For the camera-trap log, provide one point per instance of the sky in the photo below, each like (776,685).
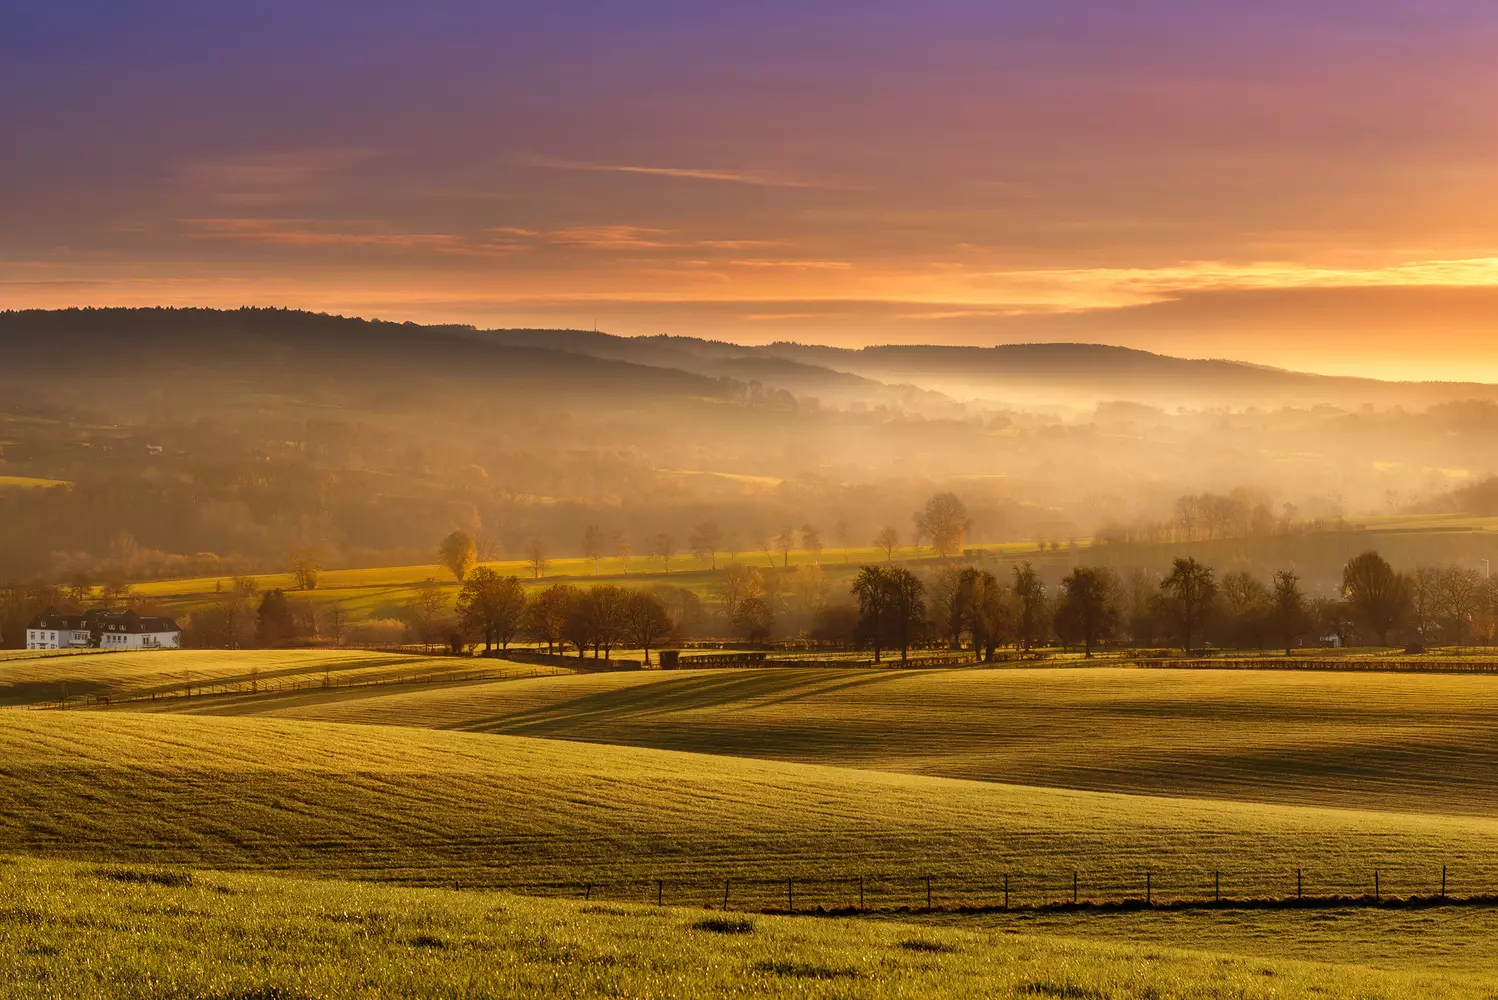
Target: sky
(1309,184)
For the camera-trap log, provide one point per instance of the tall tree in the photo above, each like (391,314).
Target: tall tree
(1029,594)
(605,606)
(491,606)
(1290,615)
(646,623)
(593,545)
(1188,593)
(1379,596)
(843,535)
(888,540)
(426,604)
(907,609)
(457,554)
(1247,604)
(1462,595)
(737,585)
(1088,609)
(983,611)
(755,620)
(623,550)
(1425,602)
(546,614)
(275,626)
(943,521)
(871,587)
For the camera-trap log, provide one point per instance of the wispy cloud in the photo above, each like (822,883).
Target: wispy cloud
(264,177)
(310,233)
(751,177)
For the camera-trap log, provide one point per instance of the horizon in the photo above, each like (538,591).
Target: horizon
(1300,187)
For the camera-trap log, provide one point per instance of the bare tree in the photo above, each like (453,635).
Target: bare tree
(646,623)
(663,547)
(1188,594)
(623,550)
(1290,615)
(593,545)
(737,585)
(1029,594)
(305,564)
(888,540)
(1461,597)
(843,535)
(546,615)
(873,593)
(943,520)
(535,557)
(784,542)
(426,604)
(491,607)
(335,620)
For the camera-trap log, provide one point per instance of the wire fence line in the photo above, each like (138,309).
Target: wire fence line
(272,685)
(1026,891)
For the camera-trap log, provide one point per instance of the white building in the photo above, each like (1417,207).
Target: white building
(101,629)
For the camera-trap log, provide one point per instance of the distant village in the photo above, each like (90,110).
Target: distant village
(101,628)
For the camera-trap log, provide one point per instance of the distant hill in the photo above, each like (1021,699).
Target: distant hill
(1094,372)
(286,351)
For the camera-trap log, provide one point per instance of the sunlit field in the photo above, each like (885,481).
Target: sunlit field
(88,932)
(551,816)
(91,677)
(1411,742)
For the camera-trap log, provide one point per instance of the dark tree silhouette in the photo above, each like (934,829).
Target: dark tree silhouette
(492,607)
(1378,595)
(1089,606)
(1289,603)
(1188,594)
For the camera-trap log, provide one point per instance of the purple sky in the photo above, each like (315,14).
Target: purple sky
(841,172)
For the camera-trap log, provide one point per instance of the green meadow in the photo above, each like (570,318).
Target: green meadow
(87,932)
(409,829)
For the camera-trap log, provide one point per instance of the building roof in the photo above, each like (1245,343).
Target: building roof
(103,620)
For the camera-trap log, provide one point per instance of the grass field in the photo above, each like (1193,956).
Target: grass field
(86,933)
(28,483)
(30,677)
(1403,742)
(421,806)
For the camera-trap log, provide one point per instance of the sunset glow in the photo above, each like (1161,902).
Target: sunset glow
(1310,185)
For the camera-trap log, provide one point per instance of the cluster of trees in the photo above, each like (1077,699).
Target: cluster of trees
(1205,517)
(494,610)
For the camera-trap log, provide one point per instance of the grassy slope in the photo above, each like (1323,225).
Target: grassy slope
(30,676)
(1377,741)
(423,806)
(71,932)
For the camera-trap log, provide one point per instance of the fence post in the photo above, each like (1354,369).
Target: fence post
(1073,887)
(790,895)
(725,894)
(1148,890)
(660,891)
(928,893)
(1376,894)
(1443,881)
(1297,883)
(1217,887)
(1006,890)
(587,891)
(860,892)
